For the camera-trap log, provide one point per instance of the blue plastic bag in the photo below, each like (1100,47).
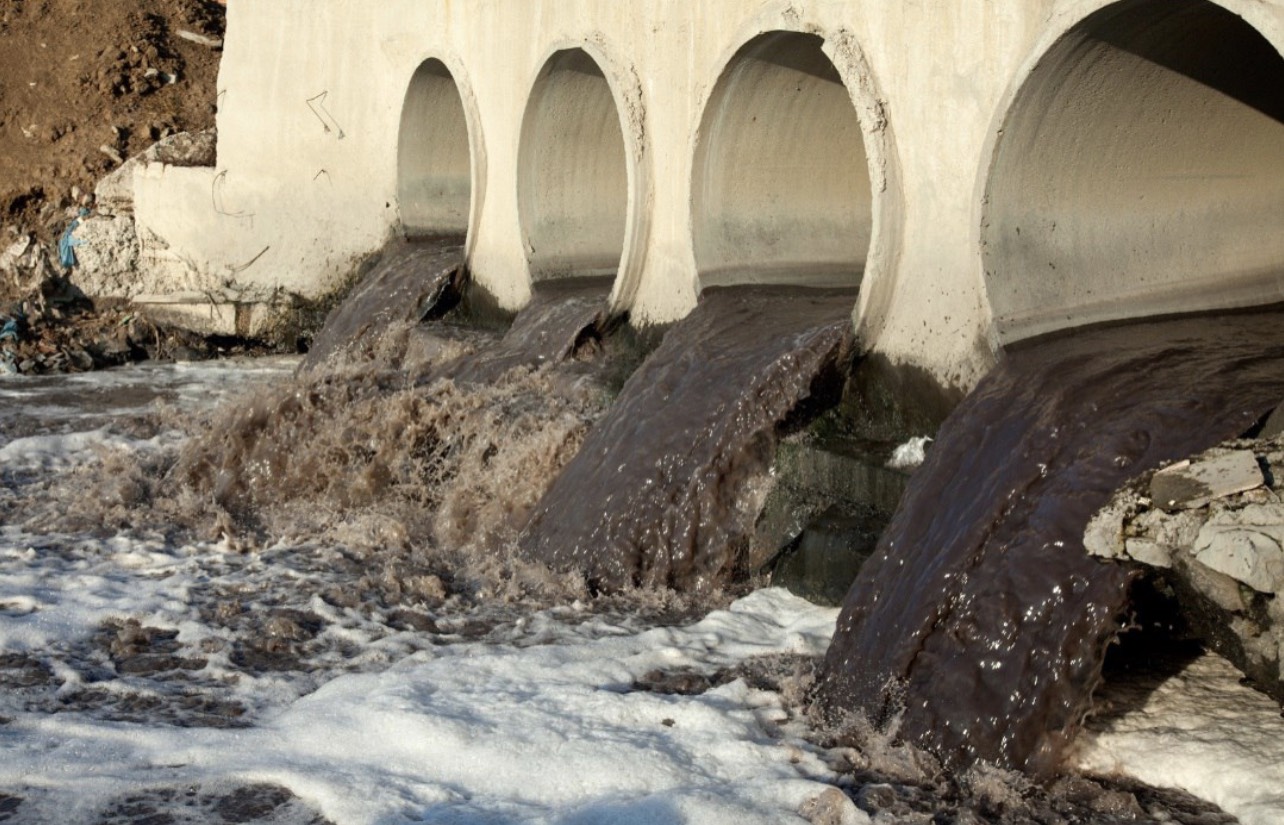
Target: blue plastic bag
(67,243)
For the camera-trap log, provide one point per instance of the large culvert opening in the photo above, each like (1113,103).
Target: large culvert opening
(434,157)
(781,191)
(1140,172)
(572,183)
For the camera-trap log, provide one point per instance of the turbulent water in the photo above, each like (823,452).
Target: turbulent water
(564,319)
(662,493)
(980,625)
(317,602)
(410,282)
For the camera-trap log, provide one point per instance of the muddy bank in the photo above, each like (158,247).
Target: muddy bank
(979,626)
(89,83)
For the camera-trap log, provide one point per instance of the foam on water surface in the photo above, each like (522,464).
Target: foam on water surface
(312,678)
(1201,730)
(542,727)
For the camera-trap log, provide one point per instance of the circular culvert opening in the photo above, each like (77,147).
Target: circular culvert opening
(434,159)
(1140,172)
(573,186)
(781,191)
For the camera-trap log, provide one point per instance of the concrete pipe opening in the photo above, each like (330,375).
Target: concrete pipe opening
(572,182)
(434,160)
(1140,172)
(781,190)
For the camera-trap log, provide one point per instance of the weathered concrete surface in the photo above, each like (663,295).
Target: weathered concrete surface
(1187,485)
(1218,555)
(993,170)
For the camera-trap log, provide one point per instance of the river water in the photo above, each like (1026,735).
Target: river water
(240,591)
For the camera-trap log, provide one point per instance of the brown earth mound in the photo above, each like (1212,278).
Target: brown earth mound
(84,83)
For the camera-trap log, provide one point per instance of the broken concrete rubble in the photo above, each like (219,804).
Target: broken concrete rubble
(119,261)
(1210,532)
(1246,545)
(114,194)
(1187,485)
(107,257)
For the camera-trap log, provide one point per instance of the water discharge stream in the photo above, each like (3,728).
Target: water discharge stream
(563,316)
(662,493)
(411,281)
(980,624)
(335,566)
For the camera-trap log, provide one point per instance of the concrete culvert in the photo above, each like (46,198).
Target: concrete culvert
(1140,172)
(434,159)
(572,181)
(781,190)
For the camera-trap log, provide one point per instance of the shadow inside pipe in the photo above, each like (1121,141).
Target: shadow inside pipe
(1202,41)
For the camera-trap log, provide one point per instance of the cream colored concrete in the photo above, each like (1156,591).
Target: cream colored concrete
(780,190)
(314,170)
(434,155)
(1141,166)
(573,171)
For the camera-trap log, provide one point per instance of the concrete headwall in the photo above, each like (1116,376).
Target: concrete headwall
(984,171)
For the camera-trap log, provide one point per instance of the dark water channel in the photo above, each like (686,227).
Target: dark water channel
(980,624)
(564,318)
(663,491)
(410,282)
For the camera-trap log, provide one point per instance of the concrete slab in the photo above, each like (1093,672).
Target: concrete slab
(1187,485)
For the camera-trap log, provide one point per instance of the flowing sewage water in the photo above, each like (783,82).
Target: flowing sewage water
(338,463)
(662,493)
(980,624)
(411,282)
(564,318)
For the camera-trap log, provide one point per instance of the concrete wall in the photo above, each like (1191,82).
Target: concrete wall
(983,170)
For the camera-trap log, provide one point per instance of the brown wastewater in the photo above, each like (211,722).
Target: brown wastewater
(979,627)
(980,624)
(514,470)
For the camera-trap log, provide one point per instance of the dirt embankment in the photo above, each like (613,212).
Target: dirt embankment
(85,84)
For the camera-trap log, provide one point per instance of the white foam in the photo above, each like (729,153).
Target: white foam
(550,733)
(909,455)
(1205,733)
(63,451)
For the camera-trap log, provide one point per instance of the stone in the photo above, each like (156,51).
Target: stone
(1274,425)
(832,807)
(114,194)
(1190,484)
(184,149)
(1220,589)
(200,39)
(1149,552)
(1247,545)
(1179,529)
(1103,536)
(107,258)
(12,257)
